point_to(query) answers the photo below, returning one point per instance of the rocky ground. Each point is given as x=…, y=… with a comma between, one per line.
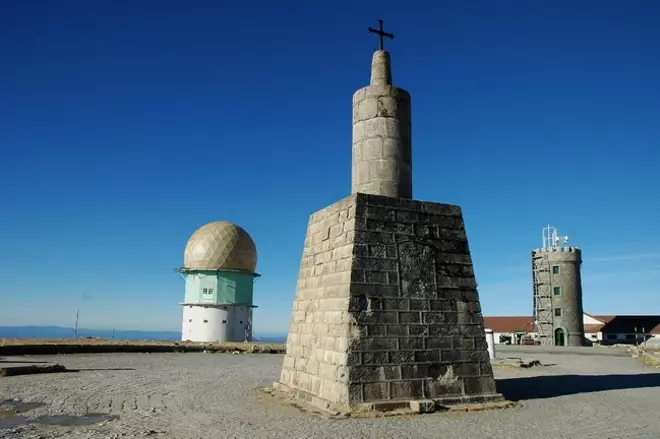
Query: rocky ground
x=578, y=393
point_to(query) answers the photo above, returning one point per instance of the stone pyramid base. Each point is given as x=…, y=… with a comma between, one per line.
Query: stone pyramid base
x=386, y=314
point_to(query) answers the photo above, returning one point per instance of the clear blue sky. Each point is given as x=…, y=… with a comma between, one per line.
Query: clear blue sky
x=126, y=125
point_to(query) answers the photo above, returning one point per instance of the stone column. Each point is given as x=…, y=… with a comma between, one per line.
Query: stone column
x=382, y=144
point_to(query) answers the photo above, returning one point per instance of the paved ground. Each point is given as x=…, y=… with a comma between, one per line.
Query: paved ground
x=596, y=395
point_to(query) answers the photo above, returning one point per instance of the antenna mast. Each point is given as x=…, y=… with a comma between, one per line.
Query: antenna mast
x=551, y=238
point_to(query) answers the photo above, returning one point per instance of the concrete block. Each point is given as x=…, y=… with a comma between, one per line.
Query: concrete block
x=378, y=91
x=376, y=391
x=376, y=127
x=423, y=406
x=367, y=109
x=387, y=106
x=409, y=389
x=372, y=149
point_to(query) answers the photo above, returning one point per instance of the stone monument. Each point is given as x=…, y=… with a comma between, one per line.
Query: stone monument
x=386, y=314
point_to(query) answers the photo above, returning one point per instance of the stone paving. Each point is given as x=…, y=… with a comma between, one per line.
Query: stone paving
x=587, y=393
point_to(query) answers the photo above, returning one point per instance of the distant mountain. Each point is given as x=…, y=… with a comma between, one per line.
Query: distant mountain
x=63, y=332
x=271, y=338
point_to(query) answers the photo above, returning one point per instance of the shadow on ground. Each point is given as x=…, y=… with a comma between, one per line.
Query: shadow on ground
x=550, y=386
x=100, y=368
x=25, y=362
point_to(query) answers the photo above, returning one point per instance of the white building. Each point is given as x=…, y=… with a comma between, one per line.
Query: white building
x=611, y=329
x=219, y=263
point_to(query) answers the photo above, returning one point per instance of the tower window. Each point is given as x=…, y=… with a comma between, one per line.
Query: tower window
x=189, y=320
x=557, y=291
x=206, y=321
x=555, y=269
x=557, y=312
x=224, y=321
x=207, y=291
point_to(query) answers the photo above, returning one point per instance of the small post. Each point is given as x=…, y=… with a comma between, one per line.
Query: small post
x=644, y=335
x=75, y=330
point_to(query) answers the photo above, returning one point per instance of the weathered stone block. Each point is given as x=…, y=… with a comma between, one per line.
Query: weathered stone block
x=422, y=406
x=391, y=312
x=411, y=390
x=372, y=149
x=376, y=391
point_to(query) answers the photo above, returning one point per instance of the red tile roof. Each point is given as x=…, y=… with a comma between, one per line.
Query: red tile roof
x=612, y=324
x=594, y=327
x=506, y=324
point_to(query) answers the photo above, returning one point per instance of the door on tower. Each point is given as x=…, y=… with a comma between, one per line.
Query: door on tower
x=560, y=337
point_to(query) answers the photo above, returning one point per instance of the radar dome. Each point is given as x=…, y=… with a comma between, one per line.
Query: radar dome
x=220, y=245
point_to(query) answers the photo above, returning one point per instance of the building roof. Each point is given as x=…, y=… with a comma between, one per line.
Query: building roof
x=505, y=324
x=632, y=324
x=593, y=327
x=610, y=324
x=604, y=319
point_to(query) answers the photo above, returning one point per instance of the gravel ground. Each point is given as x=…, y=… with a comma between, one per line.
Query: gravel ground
x=216, y=396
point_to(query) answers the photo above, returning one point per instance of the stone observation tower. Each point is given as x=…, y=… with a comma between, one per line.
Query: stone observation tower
x=220, y=259
x=557, y=286
x=386, y=314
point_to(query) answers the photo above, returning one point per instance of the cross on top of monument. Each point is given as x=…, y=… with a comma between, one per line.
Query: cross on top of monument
x=381, y=33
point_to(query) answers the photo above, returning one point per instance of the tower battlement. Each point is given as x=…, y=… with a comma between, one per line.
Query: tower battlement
x=558, y=250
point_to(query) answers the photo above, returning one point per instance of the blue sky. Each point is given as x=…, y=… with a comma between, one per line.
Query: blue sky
x=126, y=125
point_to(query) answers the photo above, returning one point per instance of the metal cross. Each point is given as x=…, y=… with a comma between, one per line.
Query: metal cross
x=381, y=33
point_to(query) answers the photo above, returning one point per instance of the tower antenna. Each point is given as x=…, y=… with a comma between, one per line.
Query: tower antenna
x=551, y=238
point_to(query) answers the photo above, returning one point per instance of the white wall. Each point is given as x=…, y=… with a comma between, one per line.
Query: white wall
x=205, y=324
x=594, y=337
x=215, y=323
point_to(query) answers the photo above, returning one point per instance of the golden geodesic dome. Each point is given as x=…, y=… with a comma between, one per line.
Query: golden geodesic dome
x=220, y=245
